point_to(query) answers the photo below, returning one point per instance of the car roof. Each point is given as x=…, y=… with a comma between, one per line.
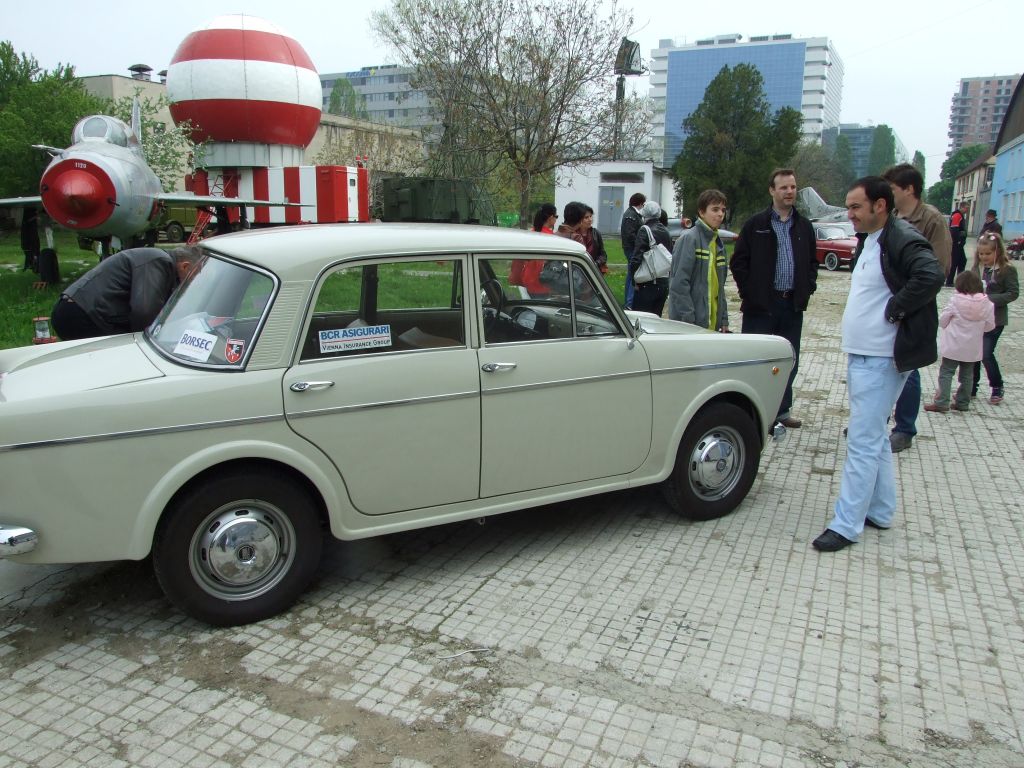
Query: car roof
x=299, y=252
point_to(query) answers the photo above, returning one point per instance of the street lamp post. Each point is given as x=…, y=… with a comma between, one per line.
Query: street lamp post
x=627, y=62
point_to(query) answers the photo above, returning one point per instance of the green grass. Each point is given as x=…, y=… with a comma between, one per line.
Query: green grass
x=20, y=302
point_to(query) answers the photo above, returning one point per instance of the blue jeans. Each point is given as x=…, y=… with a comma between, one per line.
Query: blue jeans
x=909, y=405
x=868, y=485
x=988, y=359
x=629, y=289
x=786, y=321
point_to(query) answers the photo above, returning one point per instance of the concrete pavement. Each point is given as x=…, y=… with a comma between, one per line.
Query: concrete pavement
x=605, y=632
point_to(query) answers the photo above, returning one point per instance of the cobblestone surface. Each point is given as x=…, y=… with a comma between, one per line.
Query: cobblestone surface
x=604, y=632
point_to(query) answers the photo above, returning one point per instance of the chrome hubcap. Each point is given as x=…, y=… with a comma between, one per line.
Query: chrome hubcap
x=716, y=463
x=242, y=550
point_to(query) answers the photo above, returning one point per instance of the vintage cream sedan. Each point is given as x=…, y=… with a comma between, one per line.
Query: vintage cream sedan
x=357, y=380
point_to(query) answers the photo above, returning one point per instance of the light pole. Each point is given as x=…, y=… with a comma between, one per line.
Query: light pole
x=627, y=62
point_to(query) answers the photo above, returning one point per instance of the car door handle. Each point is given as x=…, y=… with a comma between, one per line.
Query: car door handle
x=497, y=367
x=305, y=386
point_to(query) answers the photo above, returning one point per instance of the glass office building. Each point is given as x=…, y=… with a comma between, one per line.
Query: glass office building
x=804, y=74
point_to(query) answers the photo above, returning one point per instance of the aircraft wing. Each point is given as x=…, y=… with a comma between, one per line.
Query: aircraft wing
x=184, y=198
x=21, y=202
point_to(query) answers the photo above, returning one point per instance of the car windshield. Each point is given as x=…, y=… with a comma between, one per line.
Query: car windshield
x=835, y=232
x=213, y=318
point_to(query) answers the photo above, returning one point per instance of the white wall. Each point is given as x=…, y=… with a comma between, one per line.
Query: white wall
x=584, y=184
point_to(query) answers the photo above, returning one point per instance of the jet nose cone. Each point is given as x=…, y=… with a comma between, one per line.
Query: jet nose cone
x=77, y=194
x=81, y=193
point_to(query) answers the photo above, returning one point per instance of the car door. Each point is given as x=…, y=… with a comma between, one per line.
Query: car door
x=387, y=386
x=565, y=391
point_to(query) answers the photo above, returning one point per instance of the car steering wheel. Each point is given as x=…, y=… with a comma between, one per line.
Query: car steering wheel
x=495, y=297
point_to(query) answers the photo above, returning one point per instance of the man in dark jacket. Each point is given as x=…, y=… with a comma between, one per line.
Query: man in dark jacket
x=631, y=223
x=958, y=234
x=889, y=329
x=991, y=224
x=776, y=272
x=122, y=293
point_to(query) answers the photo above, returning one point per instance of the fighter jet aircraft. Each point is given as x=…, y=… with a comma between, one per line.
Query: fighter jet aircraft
x=101, y=186
x=810, y=204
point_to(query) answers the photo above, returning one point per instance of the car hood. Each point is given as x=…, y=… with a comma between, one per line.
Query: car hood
x=654, y=324
x=73, y=366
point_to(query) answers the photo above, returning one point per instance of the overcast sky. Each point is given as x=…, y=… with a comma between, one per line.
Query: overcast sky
x=903, y=59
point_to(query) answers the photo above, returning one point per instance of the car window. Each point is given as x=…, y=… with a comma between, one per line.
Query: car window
x=390, y=307
x=541, y=299
x=213, y=317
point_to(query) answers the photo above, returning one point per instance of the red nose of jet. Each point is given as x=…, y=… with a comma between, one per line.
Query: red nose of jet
x=77, y=194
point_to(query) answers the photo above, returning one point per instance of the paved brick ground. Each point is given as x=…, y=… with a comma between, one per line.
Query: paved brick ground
x=605, y=632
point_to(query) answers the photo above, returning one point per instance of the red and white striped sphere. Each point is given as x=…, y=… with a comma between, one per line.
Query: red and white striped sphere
x=244, y=79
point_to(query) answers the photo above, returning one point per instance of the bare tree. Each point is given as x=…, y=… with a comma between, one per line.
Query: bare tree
x=385, y=147
x=513, y=80
x=635, y=135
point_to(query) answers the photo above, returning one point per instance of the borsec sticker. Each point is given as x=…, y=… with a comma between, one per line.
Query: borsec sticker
x=233, y=349
x=195, y=345
x=360, y=337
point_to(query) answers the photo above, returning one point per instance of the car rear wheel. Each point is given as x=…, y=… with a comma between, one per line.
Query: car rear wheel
x=238, y=548
x=716, y=463
x=175, y=232
x=831, y=262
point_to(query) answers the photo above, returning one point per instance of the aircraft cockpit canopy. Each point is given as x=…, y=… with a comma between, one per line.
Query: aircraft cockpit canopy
x=101, y=128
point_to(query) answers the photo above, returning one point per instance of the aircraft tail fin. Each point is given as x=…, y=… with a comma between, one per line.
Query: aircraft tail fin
x=137, y=119
x=811, y=205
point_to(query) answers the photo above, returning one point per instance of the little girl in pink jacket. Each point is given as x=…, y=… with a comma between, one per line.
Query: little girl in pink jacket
x=963, y=322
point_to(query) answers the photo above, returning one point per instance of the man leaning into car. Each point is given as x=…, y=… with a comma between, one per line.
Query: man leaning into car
x=121, y=294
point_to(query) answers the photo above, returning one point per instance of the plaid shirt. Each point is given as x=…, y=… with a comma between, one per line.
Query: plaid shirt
x=784, y=261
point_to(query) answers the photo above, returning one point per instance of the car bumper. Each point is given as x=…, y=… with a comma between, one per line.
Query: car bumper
x=16, y=540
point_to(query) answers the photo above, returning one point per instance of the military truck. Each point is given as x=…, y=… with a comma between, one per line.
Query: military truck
x=421, y=198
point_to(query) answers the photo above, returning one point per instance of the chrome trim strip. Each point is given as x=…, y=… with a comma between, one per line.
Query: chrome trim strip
x=381, y=404
x=714, y=366
x=140, y=433
x=563, y=382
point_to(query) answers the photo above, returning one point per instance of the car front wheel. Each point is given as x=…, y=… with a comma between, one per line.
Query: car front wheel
x=238, y=548
x=716, y=463
x=831, y=262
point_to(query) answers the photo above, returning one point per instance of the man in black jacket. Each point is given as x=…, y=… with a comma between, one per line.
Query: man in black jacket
x=122, y=293
x=889, y=329
x=631, y=223
x=776, y=272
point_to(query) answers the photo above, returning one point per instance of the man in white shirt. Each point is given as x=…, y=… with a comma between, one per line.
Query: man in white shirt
x=889, y=329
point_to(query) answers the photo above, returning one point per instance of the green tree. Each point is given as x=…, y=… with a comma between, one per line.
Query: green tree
x=511, y=82
x=842, y=156
x=733, y=141
x=940, y=194
x=882, y=153
x=167, y=148
x=918, y=162
x=37, y=106
x=346, y=101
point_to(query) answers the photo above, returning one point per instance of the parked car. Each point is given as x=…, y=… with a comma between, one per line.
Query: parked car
x=835, y=244
x=675, y=229
x=356, y=380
